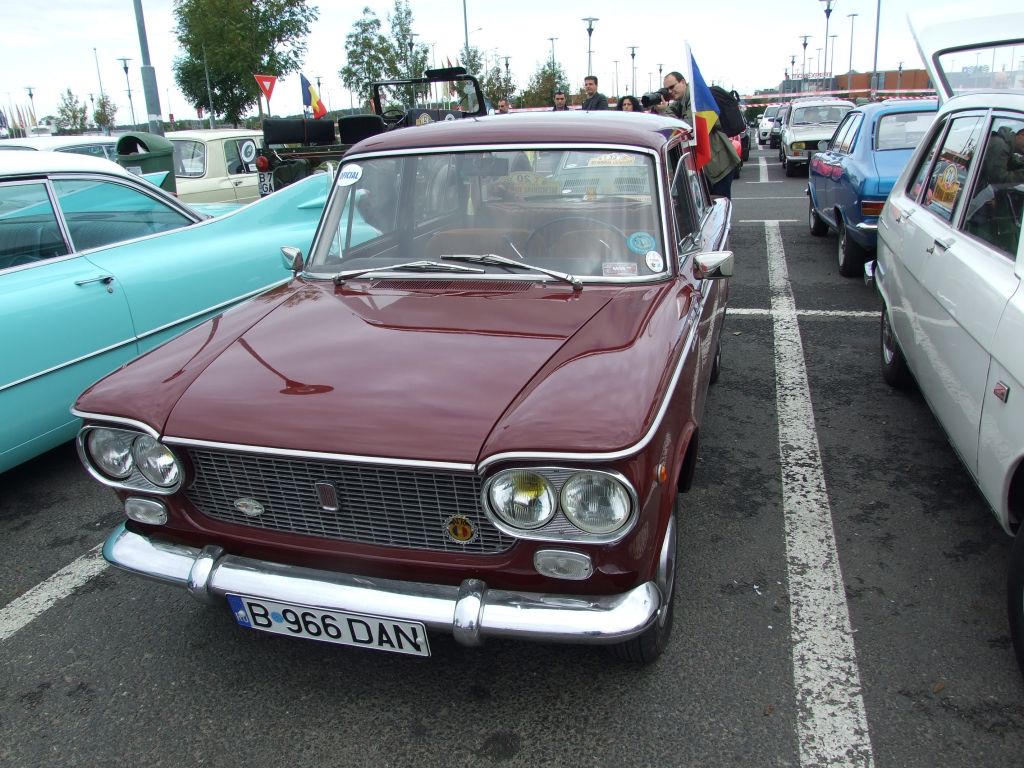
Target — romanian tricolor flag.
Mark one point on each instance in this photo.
(311, 99)
(705, 111)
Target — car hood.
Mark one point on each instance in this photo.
(402, 373)
(811, 132)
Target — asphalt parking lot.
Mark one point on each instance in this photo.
(840, 595)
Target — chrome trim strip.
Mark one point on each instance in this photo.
(297, 454)
(590, 619)
(139, 425)
(69, 363)
(867, 227)
(509, 146)
(610, 455)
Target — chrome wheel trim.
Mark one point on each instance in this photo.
(666, 577)
(888, 352)
(841, 240)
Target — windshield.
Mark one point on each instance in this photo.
(989, 68)
(590, 213)
(819, 115)
(903, 130)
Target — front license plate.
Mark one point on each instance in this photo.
(354, 629)
(266, 182)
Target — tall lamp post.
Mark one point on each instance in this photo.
(803, 72)
(124, 62)
(852, 16)
(874, 66)
(552, 39)
(590, 34)
(632, 55)
(31, 99)
(832, 62)
(616, 63)
(828, 12)
(792, 69)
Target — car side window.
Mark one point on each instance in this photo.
(28, 225)
(234, 151)
(997, 201)
(849, 138)
(189, 158)
(841, 131)
(99, 212)
(945, 184)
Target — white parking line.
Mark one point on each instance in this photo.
(844, 313)
(832, 726)
(20, 611)
(762, 178)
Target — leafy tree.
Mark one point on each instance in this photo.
(375, 56)
(545, 81)
(71, 113)
(232, 40)
(497, 84)
(103, 114)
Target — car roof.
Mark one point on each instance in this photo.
(571, 127)
(820, 102)
(214, 133)
(890, 106)
(35, 163)
(49, 143)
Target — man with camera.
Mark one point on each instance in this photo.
(721, 168)
(656, 102)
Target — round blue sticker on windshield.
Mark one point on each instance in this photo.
(641, 242)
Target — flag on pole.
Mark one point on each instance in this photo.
(705, 110)
(311, 99)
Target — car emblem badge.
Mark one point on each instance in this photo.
(249, 507)
(460, 529)
(328, 496)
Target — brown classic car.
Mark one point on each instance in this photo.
(472, 411)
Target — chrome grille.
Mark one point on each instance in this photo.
(389, 506)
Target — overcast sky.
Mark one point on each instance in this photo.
(740, 44)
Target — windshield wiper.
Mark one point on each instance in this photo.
(410, 266)
(493, 258)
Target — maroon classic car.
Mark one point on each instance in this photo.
(472, 411)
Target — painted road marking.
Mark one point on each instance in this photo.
(851, 313)
(21, 610)
(832, 727)
(762, 166)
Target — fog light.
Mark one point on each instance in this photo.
(562, 564)
(145, 511)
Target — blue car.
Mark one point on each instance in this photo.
(98, 266)
(851, 177)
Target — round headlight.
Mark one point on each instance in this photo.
(156, 461)
(522, 499)
(111, 452)
(797, 145)
(595, 503)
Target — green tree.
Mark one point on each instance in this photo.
(71, 113)
(545, 81)
(374, 56)
(497, 84)
(103, 114)
(232, 40)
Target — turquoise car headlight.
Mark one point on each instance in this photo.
(522, 498)
(111, 452)
(155, 461)
(595, 502)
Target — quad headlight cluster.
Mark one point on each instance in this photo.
(596, 503)
(118, 454)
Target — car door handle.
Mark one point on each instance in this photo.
(904, 215)
(943, 243)
(238, 183)
(105, 279)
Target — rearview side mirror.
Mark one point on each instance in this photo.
(713, 265)
(292, 258)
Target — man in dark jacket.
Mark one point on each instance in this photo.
(1003, 162)
(594, 100)
(559, 102)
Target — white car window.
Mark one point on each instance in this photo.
(189, 158)
(997, 202)
(946, 180)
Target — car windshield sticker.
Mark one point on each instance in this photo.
(612, 158)
(619, 269)
(349, 175)
(528, 184)
(641, 242)
(654, 261)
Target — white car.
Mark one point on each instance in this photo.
(764, 125)
(808, 122)
(216, 166)
(950, 263)
(97, 146)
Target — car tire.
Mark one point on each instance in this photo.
(790, 169)
(814, 222)
(1015, 597)
(851, 256)
(894, 365)
(716, 364)
(782, 157)
(646, 648)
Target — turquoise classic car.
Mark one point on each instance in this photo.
(98, 266)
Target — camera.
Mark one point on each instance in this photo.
(654, 98)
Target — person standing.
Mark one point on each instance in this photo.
(628, 104)
(502, 106)
(559, 102)
(594, 100)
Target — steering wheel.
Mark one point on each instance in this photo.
(602, 225)
(393, 116)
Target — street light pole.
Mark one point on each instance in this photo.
(803, 72)
(32, 101)
(632, 55)
(831, 65)
(828, 13)
(552, 39)
(852, 16)
(590, 34)
(616, 62)
(874, 66)
(124, 62)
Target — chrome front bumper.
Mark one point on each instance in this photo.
(470, 611)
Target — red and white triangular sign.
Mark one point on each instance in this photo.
(266, 83)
